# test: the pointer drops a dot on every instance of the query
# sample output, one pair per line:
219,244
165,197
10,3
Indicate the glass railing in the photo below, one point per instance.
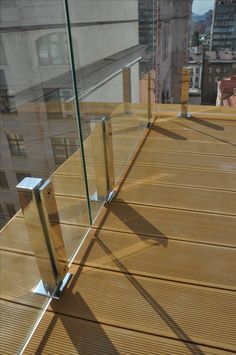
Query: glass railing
80,82
73,110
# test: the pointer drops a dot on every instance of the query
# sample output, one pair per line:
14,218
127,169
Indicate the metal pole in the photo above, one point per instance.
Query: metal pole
149,99
184,93
40,213
126,73
103,158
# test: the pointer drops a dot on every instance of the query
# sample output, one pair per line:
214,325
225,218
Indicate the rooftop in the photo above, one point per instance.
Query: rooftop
157,270
221,56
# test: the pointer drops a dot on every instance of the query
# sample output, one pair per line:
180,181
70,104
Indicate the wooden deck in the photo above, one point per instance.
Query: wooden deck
158,272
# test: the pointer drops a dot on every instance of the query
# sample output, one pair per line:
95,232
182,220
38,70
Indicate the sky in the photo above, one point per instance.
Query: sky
202,6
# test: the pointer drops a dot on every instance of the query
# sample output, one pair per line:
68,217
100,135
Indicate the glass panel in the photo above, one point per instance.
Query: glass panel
114,60
39,132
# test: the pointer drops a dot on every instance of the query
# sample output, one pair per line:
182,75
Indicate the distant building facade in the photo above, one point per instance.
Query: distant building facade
195,82
173,19
226,92
224,25
217,65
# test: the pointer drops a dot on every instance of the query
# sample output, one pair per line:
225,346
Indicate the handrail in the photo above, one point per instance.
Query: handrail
89,91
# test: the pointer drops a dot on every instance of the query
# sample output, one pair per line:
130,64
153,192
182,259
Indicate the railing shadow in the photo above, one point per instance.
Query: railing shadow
82,339
206,123
206,134
167,133
177,330
135,222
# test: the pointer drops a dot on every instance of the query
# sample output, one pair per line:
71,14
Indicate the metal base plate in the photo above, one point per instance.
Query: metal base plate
188,115
40,289
108,199
96,198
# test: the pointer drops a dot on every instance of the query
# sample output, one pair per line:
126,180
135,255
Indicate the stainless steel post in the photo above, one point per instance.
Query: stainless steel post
184,94
149,99
126,73
103,158
40,212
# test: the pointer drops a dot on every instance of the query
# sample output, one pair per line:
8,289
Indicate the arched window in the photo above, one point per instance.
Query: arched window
53,49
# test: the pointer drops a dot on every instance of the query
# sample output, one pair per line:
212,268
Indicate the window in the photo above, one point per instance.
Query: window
197,70
209,70
20,176
3,58
11,210
59,103
7,101
53,49
3,181
16,144
2,217
217,70
63,148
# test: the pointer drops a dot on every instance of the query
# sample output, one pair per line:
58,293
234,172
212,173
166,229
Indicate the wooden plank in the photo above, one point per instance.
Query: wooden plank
195,199
182,176
187,160
169,223
67,335
190,134
162,258
179,311
17,321
213,148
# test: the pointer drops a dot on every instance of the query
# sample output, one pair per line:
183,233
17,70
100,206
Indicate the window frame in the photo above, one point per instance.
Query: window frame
3,181
17,143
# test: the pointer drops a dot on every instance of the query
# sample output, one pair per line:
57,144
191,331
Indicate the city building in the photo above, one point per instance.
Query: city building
195,82
226,91
224,25
173,28
217,65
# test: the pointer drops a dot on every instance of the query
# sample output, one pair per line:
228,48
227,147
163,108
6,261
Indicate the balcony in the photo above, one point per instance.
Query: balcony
157,268
123,242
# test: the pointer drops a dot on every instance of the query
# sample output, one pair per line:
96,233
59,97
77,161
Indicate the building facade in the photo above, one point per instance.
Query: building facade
217,65
195,82
38,125
224,25
173,31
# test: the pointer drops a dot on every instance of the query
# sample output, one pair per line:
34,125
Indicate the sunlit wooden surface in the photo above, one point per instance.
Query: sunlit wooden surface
157,275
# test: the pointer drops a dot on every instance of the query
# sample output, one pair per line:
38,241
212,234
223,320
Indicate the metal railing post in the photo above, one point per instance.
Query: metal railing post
41,217
126,74
103,158
149,99
184,93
